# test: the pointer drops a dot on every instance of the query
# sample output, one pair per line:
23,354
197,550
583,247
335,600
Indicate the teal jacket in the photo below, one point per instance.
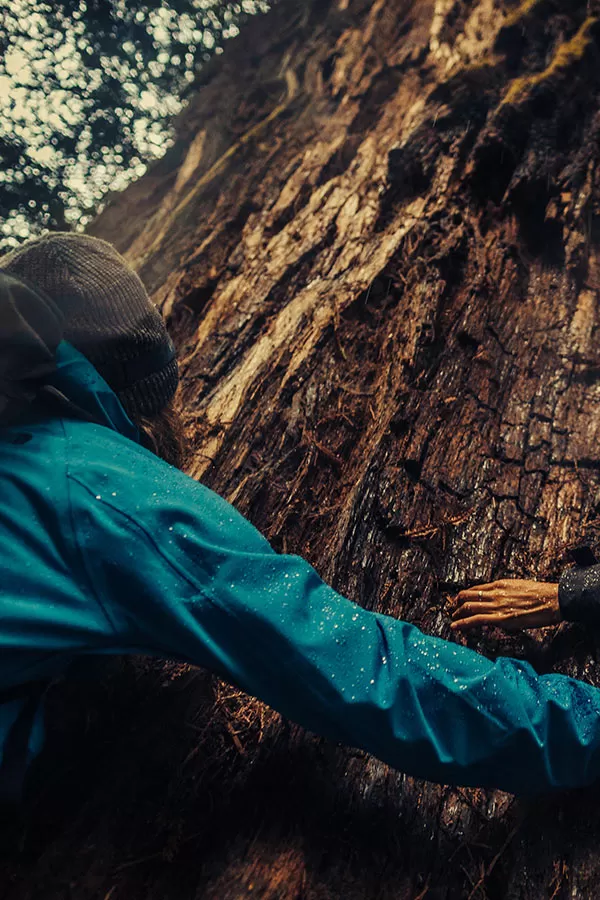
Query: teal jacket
106,549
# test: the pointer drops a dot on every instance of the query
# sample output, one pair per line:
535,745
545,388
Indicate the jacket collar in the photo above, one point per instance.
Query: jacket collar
80,382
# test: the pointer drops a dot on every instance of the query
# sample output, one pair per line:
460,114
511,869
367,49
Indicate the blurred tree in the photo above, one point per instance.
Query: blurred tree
87,90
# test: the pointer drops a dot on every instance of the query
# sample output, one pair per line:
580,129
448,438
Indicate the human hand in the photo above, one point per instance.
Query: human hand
511,604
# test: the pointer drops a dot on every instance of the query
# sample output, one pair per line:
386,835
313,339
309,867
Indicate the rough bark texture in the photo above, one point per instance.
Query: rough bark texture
377,241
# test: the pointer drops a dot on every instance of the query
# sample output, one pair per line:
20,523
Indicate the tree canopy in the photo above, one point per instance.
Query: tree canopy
87,91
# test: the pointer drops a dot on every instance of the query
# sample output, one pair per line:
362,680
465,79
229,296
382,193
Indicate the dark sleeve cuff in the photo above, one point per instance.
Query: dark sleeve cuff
579,594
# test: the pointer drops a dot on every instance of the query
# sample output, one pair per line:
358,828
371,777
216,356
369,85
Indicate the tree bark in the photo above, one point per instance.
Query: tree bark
376,238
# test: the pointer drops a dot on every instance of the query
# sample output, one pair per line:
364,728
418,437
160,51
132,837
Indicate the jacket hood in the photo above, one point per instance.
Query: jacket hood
76,378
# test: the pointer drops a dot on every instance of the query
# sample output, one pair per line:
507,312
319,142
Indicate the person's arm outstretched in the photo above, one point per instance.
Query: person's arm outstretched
181,574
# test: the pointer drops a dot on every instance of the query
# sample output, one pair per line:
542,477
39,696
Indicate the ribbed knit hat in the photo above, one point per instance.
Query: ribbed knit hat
109,316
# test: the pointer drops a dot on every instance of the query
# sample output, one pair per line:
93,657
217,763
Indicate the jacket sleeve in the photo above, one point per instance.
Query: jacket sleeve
181,574
579,594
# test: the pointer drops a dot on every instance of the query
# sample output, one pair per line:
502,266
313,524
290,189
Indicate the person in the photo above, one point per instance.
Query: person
107,548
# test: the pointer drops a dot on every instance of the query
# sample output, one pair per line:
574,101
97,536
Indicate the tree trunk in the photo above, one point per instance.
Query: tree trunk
376,238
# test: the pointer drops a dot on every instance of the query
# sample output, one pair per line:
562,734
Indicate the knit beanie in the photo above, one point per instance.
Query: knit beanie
109,315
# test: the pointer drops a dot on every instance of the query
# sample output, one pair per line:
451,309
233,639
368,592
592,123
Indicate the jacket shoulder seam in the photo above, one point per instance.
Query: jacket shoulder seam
202,589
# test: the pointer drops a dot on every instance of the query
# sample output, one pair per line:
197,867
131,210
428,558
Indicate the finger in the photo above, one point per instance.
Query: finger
468,594
508,620
480,588
471,609
474,622
492,585
475,595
